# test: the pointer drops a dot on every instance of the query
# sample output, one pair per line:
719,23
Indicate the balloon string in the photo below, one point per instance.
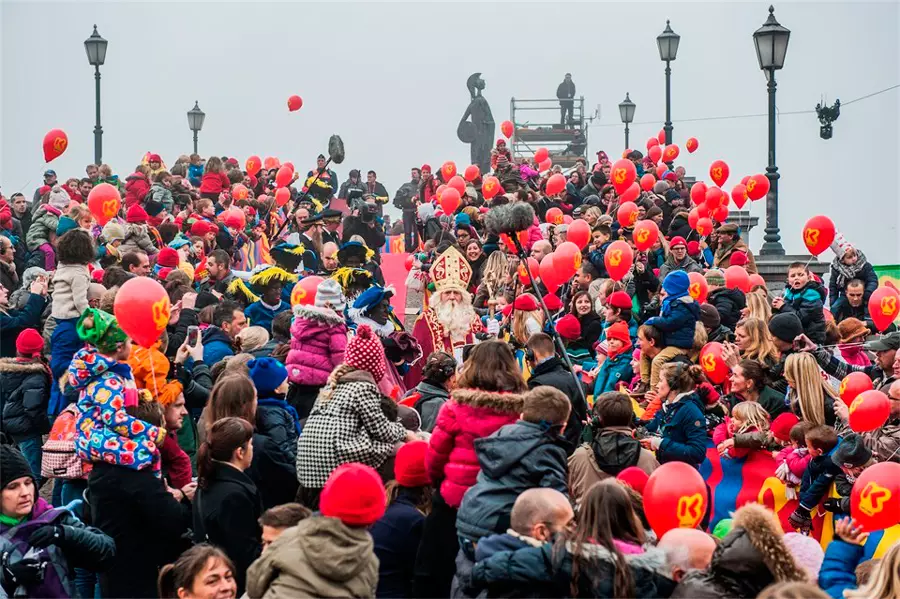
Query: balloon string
153,375
811,257
30,179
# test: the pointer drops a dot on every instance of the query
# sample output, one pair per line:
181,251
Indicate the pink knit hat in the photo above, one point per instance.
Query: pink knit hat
365,352
806,551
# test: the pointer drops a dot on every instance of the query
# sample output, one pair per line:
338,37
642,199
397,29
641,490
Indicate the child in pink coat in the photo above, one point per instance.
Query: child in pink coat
791,462
746,417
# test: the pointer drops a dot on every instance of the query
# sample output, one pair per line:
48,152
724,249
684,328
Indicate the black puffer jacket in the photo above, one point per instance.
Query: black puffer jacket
751,557
24,393
729,303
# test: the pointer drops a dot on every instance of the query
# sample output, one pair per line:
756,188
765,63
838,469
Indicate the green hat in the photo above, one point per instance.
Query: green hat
723,528
101,330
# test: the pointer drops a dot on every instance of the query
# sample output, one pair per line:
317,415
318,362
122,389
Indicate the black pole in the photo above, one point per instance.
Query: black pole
195,142
668,126
626,137
98,130
772,245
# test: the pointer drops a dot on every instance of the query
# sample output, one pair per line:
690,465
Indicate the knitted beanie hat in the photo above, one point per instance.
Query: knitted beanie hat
167,257
782,425
13,465
526,302
136,214
169,393
354,495
619,330
267,374
676,241
29,343
569,327
59,198
620,300
806,551
409,466
552,301
715,277
786,326
710,316
330,295
365,352
113,231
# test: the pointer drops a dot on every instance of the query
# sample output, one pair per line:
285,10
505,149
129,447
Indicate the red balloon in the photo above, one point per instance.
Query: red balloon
713,364
661,170
645,234
757,187
714,198
533,266
283,177
55,143
854,384
457,183
555,184
618,259
652,142
541,155
554,216
549,275
627,214
240,192
884,305
623,175
875,499
253,164
655,153
745,180
104,202
661,136
439,192
739,195
631,194
232,214
304,292
692,144
567,260
720,214
698,192
704,226
647,182
142,309
490,187
718,172
702,211
698,288
737,278
757,280
294,103
450,200
448,170
271,162
693,217
674,497
408,263
282,196
472,172
671,153
290,165
506,127
545,165
510,243
579,233
818,234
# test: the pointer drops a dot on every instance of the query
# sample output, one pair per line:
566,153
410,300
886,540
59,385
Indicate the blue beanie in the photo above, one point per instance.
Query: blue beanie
463,220
267,374
676,283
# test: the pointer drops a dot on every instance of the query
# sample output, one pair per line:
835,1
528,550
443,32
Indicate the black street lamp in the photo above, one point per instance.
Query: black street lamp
771,47
195,121
668,49
95,46
626,111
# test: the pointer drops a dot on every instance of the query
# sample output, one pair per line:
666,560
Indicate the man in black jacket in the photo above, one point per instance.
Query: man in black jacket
547,369
565,92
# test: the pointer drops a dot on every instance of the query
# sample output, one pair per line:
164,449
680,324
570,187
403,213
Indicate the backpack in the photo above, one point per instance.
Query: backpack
59,459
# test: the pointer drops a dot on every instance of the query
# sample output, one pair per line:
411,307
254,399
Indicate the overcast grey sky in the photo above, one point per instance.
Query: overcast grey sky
390,79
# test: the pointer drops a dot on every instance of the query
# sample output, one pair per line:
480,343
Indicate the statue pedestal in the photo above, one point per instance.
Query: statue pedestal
774,269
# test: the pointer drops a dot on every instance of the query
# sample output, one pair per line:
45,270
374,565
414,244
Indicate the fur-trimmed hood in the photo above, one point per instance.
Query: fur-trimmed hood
13,366
476,398
326,316
765,534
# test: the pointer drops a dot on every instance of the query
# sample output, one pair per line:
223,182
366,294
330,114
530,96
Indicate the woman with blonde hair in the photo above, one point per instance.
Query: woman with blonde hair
811,398
752,338
527,318
758,306
493,281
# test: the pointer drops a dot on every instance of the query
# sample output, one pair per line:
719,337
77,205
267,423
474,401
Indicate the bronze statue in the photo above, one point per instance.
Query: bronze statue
479,131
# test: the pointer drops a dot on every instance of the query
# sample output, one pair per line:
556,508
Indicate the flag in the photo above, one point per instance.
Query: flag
393,244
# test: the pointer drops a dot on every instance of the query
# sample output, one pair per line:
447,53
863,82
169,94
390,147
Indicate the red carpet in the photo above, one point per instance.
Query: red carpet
393,267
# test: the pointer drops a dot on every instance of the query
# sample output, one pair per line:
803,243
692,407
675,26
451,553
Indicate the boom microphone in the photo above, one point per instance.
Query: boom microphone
510,218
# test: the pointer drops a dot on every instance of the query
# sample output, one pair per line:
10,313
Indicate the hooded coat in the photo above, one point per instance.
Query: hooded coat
841,274
470,414
13,321
678,322
320,557
24,393
43,226
136,187
428,404
318,342
751,557
682,426
137,239
516,458
611,451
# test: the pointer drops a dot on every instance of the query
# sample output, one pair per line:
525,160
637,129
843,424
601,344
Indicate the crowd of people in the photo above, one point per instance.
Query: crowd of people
289,435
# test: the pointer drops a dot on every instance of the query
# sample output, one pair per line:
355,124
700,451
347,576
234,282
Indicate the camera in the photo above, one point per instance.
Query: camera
367,213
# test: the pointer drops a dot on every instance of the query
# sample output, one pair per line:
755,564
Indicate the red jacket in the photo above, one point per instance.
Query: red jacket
469,415
136,187
175,462
214,183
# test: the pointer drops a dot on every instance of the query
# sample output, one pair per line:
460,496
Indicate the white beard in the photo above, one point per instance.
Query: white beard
455,317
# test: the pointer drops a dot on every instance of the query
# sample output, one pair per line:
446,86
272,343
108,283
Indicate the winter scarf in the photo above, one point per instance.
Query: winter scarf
847,272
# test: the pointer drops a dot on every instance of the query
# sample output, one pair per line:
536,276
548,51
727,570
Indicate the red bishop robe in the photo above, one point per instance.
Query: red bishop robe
431,336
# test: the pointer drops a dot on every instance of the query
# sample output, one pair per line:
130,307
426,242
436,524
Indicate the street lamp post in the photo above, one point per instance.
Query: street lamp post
771,47
668,49
95,46
626,111
195,121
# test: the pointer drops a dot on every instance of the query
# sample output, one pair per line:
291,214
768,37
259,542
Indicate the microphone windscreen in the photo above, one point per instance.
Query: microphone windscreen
336,149
510,218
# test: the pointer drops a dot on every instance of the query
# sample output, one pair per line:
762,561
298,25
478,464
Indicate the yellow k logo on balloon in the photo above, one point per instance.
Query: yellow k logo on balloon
160,312
689,510
873,498
888,305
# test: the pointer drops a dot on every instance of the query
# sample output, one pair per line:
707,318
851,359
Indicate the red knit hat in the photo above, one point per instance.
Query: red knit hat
354,495
738,258
136,214
154,158
202,227
569,327
364,351
634,477
619,330
167,257
425,167
677,240
29,343
409,465
782,425
620,300
552,301
527,303
233,220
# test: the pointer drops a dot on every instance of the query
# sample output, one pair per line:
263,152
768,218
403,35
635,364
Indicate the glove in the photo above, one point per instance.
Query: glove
801,519
24,572
47,535
833,504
